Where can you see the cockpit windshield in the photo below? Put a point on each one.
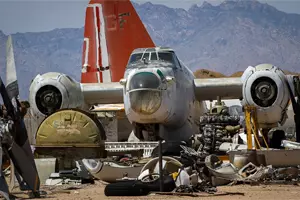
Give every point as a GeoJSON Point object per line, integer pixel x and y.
{"type": "Point", "coordinates": [151, 56]}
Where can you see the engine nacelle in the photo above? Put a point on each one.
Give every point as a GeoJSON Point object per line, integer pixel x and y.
{"type": "Point", "coordinates": [264, 86]}
{"type": "Point", "coordinates": [52, 91]}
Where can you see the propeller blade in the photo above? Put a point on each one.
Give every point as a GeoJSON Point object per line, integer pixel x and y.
{"type": "Point", "coordinates": [22, 140]}
{"type": "Point", "coordinates": [6, 100]}
{"type": "Point", "coordinates": [20, 151]}
{"type": "Point", "coordinates": [25, 167]}
{"type": "Point", "coordinates": [3, 185]}
{"type": "Point", "coordinates": [12, 176]}
{"type": "Point", "coordinates": [20, 135]}
{"type": "Point", "coordinates": [4, 188]}
{"type": "Point", "coordinates": [12, 86]}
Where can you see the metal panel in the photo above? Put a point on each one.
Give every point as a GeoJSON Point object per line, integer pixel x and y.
{"type": "Point", "coordinates": [280, 158]}
{"type": "Point", "coordinates": [31, 125]}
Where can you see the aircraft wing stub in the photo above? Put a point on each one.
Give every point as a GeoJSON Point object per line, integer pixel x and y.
{"type": "Point", "coordinates": [107, 107]}
{"type": "Point", "coordinates": [210, 89]}
{"type": "Point", "coordinates": [102, 93]}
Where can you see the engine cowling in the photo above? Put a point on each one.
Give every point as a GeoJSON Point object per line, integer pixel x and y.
{"type": "Point", "coordinates": [264, 86]}
{"type": "Point", "coordinates": [53, 91]}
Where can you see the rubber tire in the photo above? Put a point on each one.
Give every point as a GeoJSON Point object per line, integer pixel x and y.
{"type": "Point", "coordinates": [126, 188]}
{"type": "Point", "coordinates": [138, 188]}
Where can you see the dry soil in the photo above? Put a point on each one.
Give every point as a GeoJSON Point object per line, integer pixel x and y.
{"type": "Point", "coordinates": [261, 192]}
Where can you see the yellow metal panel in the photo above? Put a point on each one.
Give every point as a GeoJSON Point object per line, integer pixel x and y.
{"type": "Point", "coordinates": [70, 127]}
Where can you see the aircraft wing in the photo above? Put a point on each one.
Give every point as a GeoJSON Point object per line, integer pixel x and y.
{"type": "Point", "coordinates": [205, 89]}
{"type": "Point", "coordinates": [106, 93]}
{"type": "Point", "coordinates": [211, 88]}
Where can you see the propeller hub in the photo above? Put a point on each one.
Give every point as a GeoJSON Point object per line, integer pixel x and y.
{"type": "Point", "coordinates": [48, 99]}
{"type": "Point", "coordinates": [264, 91]}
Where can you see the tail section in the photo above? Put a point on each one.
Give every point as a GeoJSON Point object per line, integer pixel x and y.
{"type": "Point", "coordinates": [113, 30]}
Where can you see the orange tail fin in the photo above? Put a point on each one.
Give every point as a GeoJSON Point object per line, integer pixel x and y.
{"type": "Point", "coordinates": [112, 31]}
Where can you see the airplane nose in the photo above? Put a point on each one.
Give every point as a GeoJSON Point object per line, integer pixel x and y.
{"type": "Point", "coordinates": [145, 102]}
{"type": "Point", "coordinates": [144, 80]}
{"type": "Point", "coordinates": [143, 98]}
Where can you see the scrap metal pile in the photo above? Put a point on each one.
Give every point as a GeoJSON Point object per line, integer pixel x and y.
{"type": "Point", "coordinates": [193, 172]}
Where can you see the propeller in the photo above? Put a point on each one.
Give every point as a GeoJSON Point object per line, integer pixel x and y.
{"type": "Point", "coordinates": [17, 147]}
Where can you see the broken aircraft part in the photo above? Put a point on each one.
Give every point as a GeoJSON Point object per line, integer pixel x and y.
{"type": "Point", "coordinates": [70, 127]}
{"type": "Point", "coordinates": [68, 135]}
{"type": "Point", "coordinates": [110, 171]}
{"type": "Point", "coordinates": [280, 158]}
{"type": "Point", "coordinates": [45, 167]}
{"type": "Point", "coordinates": [290, 145]}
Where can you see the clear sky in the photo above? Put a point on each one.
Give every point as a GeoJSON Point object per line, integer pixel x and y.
{"type": "Point", "coordinates": [45, 15]}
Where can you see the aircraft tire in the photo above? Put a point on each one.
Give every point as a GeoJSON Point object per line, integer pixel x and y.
{"type": "Point", "coordinates": [126, 188]}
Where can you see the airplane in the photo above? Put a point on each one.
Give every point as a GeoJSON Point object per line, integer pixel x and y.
{"type": "Point", "coordinates": [161, 96]}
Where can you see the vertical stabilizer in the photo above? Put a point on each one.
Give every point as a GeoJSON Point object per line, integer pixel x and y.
{"type": "Point", "coordinates": [112, 31]}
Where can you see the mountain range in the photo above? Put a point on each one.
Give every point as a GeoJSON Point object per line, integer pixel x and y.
{"type": "Point", "coordinates": [225, 38]}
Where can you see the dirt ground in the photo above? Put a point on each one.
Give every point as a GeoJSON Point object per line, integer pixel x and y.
{"type": "Point", "coordinates": [265, 192]}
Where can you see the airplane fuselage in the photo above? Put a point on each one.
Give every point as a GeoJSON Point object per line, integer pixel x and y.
{"type": "Point", "coordinates": [159, 89]}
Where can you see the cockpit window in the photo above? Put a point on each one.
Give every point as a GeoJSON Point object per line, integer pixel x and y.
{"type": "Point", "coordinates": [135, 57]}
{"type": "Point", "coordinates": [146, 56]}
{"type": "Point", "coordinates": [153, 55]}
{"type": "Point", "coordinates": [166, 56]}
{"type": "Point", "coordinates": [138, 57]}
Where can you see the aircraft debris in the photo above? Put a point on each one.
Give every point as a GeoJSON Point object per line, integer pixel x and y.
{"type": "Point", "coordinates": [76, 176]}
{"type": "Point", "coordinates": [217, 127]}
{"type": "Point", "coordinates": [290, 145]}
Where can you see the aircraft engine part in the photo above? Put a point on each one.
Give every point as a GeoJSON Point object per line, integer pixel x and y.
{"type": "Point", "coordinates": [215, 131]}
{"type": "Point", "coordinates": [264, 86]}
{"type": "Point", "coordinates": [220, 119]}
{"type": "Point", "coordinates": [171, 165]}
{"type": "Point", "coordinates": [53, 91]}
{"type": "Point", "coordinates": [111, 171]}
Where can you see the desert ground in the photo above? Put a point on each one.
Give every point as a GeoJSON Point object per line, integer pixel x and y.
{"type": "Point", "coordinates": [258, 192]}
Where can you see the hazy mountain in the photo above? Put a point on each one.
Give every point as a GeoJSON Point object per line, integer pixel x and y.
{"type": "Point", "coordinates": [225, 38]}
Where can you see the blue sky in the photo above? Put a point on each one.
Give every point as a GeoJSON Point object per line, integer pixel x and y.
{"type": "Point", "coordinates": [45, 15]}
